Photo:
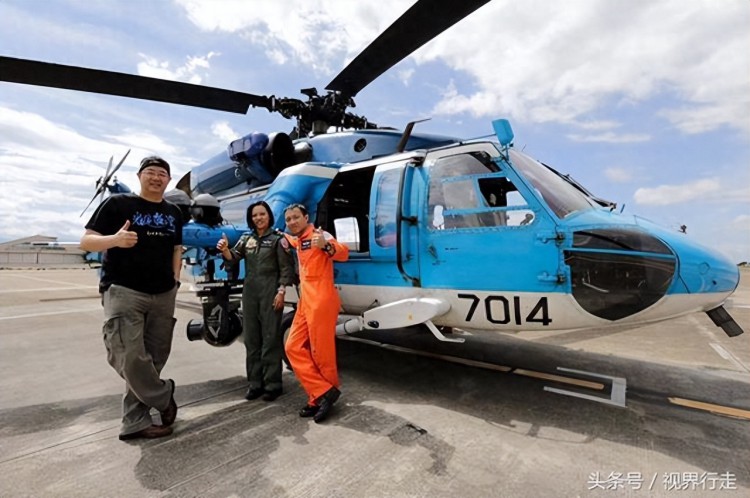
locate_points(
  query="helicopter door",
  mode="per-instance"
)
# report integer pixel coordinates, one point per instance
(394, 228)
(483, 236)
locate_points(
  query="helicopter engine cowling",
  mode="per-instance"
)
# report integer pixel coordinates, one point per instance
(251, 161)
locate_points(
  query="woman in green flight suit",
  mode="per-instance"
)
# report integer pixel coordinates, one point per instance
(269, 268)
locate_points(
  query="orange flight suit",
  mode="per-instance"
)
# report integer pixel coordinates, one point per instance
(311, 346)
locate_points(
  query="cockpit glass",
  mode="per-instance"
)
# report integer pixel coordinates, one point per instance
(559, 195)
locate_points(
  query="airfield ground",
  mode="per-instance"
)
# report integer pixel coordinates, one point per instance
(663, 410)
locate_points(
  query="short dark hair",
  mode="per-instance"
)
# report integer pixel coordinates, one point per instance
(252, 206)
(297, 205)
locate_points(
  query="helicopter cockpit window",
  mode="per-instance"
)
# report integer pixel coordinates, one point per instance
(558, 194)
(466, 191)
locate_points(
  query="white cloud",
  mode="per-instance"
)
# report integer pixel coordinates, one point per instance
(557, 61)
(610, 137)
(188, 72)
(406, 75)
(742, 222)
(46, 191)
(225, 132)
(664, 195)
(536, 61)
(618, 175)
(316, 33)
(598, 125)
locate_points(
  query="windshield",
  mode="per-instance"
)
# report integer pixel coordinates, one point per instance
(559, 195)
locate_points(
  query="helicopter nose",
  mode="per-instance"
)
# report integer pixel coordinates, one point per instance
(617, 272)
(704, 270)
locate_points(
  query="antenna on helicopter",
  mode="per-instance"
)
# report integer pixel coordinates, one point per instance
(407, 133)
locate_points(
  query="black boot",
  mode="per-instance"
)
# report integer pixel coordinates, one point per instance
(254, 393)
(272, 394)
(325, 404)
(308, 411)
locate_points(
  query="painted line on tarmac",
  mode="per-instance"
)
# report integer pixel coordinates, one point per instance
(698, 405)
(729, 356)
(559, 378)
(710, 407)
(480, 364)
(48, 289)
(49, 280)
(453, 359)
(51, 313)
(79, 440)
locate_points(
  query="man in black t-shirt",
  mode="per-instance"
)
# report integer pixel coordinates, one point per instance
(141, 237)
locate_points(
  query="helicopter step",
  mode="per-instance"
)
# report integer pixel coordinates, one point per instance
(723, 319)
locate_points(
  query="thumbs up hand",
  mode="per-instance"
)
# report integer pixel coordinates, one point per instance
(223, 247)
(125, 238)
(318, 238)
(223, 243)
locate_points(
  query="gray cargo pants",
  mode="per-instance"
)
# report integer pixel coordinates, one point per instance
(138, 331)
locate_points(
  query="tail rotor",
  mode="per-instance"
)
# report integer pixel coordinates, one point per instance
(102, 184)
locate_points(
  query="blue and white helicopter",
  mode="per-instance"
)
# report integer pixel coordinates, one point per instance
(443, 232)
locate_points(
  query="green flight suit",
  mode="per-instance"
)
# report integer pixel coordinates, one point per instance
(268, 266)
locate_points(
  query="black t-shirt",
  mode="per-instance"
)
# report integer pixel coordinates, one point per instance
(147, 266)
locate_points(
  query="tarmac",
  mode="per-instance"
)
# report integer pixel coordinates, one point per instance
(662, 410)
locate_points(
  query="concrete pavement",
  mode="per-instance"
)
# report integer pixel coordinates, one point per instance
(408, 423)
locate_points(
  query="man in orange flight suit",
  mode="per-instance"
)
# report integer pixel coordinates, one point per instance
(311, 346)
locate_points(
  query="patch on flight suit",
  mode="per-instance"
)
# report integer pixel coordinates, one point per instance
(306, 244)
(284, 244)
(266, 243)
(251, 243)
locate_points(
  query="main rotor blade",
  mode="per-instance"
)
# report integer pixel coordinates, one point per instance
(421, 23)
(38, 73)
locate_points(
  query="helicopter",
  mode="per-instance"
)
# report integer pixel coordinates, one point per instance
(444, 232)
(109, 182)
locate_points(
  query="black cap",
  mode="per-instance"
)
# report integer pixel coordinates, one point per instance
(154, 161)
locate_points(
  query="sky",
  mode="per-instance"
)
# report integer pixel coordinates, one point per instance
(646, 103)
